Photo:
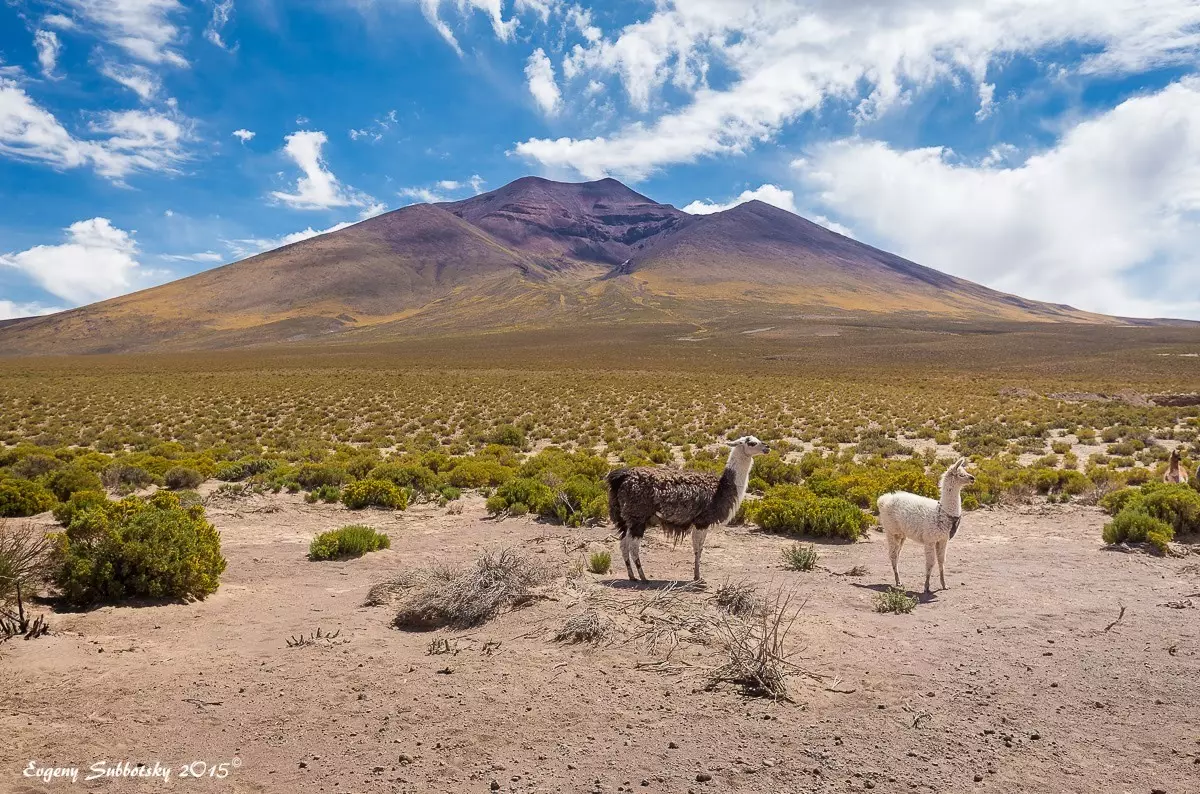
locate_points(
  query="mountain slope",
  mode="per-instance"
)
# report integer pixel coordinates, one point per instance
(763, 253)
(533, 254)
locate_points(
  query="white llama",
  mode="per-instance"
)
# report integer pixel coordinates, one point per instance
(931, 522)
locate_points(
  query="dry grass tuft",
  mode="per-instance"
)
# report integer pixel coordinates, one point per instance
(743, 599)
(470, 596)
(587, 627)
(757, 659)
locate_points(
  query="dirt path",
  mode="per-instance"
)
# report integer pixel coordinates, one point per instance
(1006, 682)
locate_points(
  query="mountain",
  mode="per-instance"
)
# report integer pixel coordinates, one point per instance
(533, 254)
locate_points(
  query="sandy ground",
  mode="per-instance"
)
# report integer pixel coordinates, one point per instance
(1006, 682)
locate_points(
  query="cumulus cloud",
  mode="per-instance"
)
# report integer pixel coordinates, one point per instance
(123, 142)
(48, 49)
(781, 59)
(10, 310)
(539, 71)
(145, 29)
(1104, 220)
(768, 194)
(244, 135)
(221, 13)
(137, 78)
(317, 188)
(97, 261)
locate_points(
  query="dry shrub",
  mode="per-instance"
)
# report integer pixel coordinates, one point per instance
(24, 560)
(469, 596)
(757, 659)
(586, 627)
(740, 598)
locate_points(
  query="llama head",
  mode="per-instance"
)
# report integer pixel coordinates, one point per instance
(749, 446)
(958, 474)
(1174, 463)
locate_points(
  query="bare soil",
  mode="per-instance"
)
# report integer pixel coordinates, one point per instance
(1008, 681)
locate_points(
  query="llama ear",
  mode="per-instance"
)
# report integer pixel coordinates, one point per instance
(962, 463)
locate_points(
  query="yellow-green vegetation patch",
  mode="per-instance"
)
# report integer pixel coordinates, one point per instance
(350, 541)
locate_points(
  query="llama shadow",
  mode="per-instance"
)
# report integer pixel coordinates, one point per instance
(654, 584)
(920, 595)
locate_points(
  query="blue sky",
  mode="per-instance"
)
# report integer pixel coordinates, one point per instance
(1047, 149)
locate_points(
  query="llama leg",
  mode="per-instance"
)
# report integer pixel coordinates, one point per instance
(941, 557)
(636, 546)
(895, 543)
(930, 551)
(625, 544)
(698, 536)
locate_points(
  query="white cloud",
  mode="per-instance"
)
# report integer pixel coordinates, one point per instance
(48, 49)
(10, 310)
(1105, 220)
(768, 194)
(540, 7)
(372, 209)
(780, 59)
(207, 257)
(539, 71)
(244, 135)
(422, 195)
(492, 8)
(59, 21)
(987, 100)
(143, 28)
(437, 194)
(216, 26)
(318, 188)
(125, 141)
(97, 261)
(135, 77)
(256, 245)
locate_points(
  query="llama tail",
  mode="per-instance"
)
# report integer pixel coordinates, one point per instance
(615, 479)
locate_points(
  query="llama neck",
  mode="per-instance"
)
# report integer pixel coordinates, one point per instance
(739, 465)
(951, 499)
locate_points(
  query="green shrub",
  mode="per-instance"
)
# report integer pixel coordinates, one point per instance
(599, 562)
(1134, 524)
(65, 512)
(797, 510)
(20, 498)
(895, 601)
(1174, 504)
(421, 479)
(349, 541)
(71, 479)
(138, 548)
(527, 492)
(182, 478)
(799, 557)
(579, 501)
(33, 466)
(1116, 501)
(1060, 447)
(314, 475)
(325, 493)
(126, 476)
(478, 473)
(508, 436)
(374, 493)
